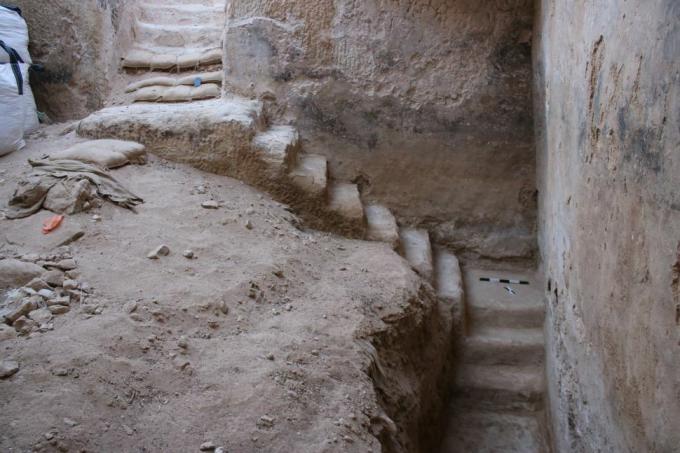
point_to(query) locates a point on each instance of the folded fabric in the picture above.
(34, 188)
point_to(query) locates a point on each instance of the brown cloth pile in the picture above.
(34, 188)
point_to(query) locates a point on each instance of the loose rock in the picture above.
(212, 204)
(54, 277)
(161, 250)
(58, 309)
(15, 273)
(207, 446)
(188, 254)
(8, 368)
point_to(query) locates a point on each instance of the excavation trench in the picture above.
(410, 365)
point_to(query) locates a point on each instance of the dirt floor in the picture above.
(269, 339)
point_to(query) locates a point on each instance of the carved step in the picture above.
(449, 285)
(278, 147)
(474, 430)
(183, 14)
(311, 174)
(164, 35)
(498, 304)
(211, 135)
(501, 386)
(344, 198)
(416, 248)
(382, 226)
(504, 347)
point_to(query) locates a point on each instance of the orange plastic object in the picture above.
(52, 223)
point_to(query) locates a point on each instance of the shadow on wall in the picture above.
(74, 41)
(428, 104)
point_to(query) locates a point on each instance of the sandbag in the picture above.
(14, 32)
(12, 107)
(104, 153)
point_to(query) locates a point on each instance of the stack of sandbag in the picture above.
(18, 113)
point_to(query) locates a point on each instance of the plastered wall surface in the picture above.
(427, 104)
(608, 115)
(78, 42)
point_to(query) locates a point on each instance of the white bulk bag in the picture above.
(14, 31)
(12, 109)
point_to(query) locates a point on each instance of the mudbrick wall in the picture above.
(425, 103)
(608, 109)
(76, 41)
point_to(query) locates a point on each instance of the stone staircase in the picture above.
(181, 39)
(499, 384)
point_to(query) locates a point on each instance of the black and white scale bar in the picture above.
(503, 280)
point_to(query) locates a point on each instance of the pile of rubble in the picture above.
(38, 287)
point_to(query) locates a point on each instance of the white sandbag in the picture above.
(14, 32)
(12, 110)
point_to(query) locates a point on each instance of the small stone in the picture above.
(249, 225)
(211, 204)
(38, 283)
(70, 284)
(183, 342)
(270, 356)
(130, 307)
(201, 190)
(128, 430)
(315, 352)
(250, 211)
(54, 277)
(25, 307)
(8, 368)
(207, 446)
(275, 312)
(59, 309)
(188, 254)
(47, 294)
(224, 308)
(63, 300)
(41, 316)
(220, 450)
(266, 421)
(60, 372)
(98, 311)
(66, 265)
(97, 218)
(70, 422)
(161, 250)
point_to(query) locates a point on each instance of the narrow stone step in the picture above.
(504, 305)
(278, 148)
(180, 93)
(505, 387)
(183, 14)
(311, 174)
(449, 284)
(205, 77)
(166, 35)
(492, 432)
(504, 347)
(168, 58)
(211, 135)
(345, 199)
(382, 226)
(416, 248)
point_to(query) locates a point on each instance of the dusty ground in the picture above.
(284, 370)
